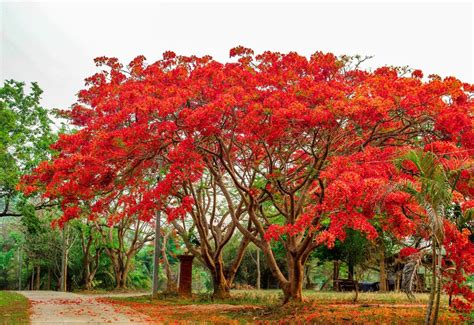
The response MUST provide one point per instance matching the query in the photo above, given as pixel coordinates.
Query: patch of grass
(275, 297)
(13, 308)
(255, 298)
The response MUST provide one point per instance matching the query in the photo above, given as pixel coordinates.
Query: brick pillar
(185, 275)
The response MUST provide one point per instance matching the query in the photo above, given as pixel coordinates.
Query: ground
(265, 307)
(258, 307)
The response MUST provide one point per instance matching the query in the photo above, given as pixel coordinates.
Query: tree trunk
(257, 285)
(121, 275)
(350, 267)
(88, 280)
(221, 288)
(335, 275)
(64, 258)
(121, 282)
(156, 258)
(398, 281)
(438, 286)
(383, 273)
(38, 277)
(433, 283)
(48, 285)
(221, 284)
(307, 272)
(87, 271)
(294, 287)
(32, 278)
(171, 285)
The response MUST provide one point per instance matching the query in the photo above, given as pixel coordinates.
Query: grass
(13, 308)
(274, 297)
(266, 306)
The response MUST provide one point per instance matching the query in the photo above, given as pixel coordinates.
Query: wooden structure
(185, 275)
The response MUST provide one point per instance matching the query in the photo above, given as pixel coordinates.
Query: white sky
(54, 43)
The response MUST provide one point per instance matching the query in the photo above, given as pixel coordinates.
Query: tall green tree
(25, 137)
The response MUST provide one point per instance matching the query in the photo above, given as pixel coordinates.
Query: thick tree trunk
(221, 283)
(88, 280)
(121, 282)
(383, 273)
(121, 275)
(221, 288)
(293, 289)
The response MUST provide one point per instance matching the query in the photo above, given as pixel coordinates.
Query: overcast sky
(55, 43)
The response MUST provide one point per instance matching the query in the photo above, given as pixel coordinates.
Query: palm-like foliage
(433, 192)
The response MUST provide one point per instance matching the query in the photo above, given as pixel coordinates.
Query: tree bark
(48, 285)
(121, 274)
(433, 283)
(383, 273)
(350, 267)
(32, 278)
(171, 285)
(438, 286)
(335, 274)
(220, 281)
(258, 270)
(221, 287)
(293, 288)
(64, 261)
(38, 277)
(156, 257)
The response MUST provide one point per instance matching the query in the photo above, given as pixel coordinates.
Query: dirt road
(51, 307)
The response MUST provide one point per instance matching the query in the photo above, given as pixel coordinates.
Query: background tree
(25, 137)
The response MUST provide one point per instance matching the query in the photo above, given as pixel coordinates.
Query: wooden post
(185, 275)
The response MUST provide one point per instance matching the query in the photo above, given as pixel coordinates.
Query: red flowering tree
(306, 144)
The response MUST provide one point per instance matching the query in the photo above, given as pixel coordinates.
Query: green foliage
(25, 137)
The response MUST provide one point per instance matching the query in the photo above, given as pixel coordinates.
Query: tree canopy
(301, 149)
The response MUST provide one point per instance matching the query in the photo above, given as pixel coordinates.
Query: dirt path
(52, 307)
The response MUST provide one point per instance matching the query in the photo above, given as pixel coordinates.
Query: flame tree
(301, 148)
